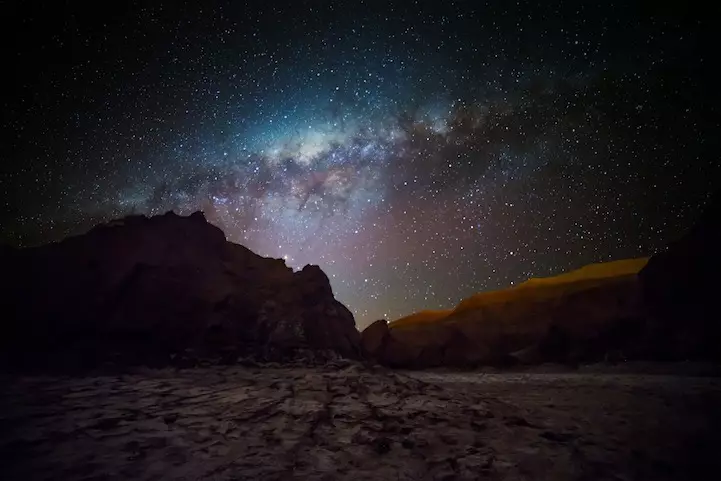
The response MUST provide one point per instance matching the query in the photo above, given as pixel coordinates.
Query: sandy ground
(349, 423)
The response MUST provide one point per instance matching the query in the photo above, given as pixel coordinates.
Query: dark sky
(418, 153)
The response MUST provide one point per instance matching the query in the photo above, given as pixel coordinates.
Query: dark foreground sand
(349, 423)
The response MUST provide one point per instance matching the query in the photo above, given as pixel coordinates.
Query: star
(418, 155)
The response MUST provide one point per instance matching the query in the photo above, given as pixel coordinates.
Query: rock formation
(682, 286)
(374, 336)
(663, 309)
(572, 317)
(166, 287)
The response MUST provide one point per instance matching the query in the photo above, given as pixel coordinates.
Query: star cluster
(419, 152)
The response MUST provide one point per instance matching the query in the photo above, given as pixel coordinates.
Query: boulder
(144, 290)
(374, 337)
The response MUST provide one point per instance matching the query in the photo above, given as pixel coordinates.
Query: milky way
(417, 153)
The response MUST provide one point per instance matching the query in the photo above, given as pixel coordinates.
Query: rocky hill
(665, 308)
(160, 289)
(534, 321)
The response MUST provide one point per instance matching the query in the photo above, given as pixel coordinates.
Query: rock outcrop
(145, 290)
(682, 287)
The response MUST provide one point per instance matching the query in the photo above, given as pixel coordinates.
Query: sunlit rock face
(588, 314)
(152, 289)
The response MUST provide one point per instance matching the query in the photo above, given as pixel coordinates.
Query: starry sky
(419, 152)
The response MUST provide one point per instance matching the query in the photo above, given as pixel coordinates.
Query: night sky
(418, 153)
